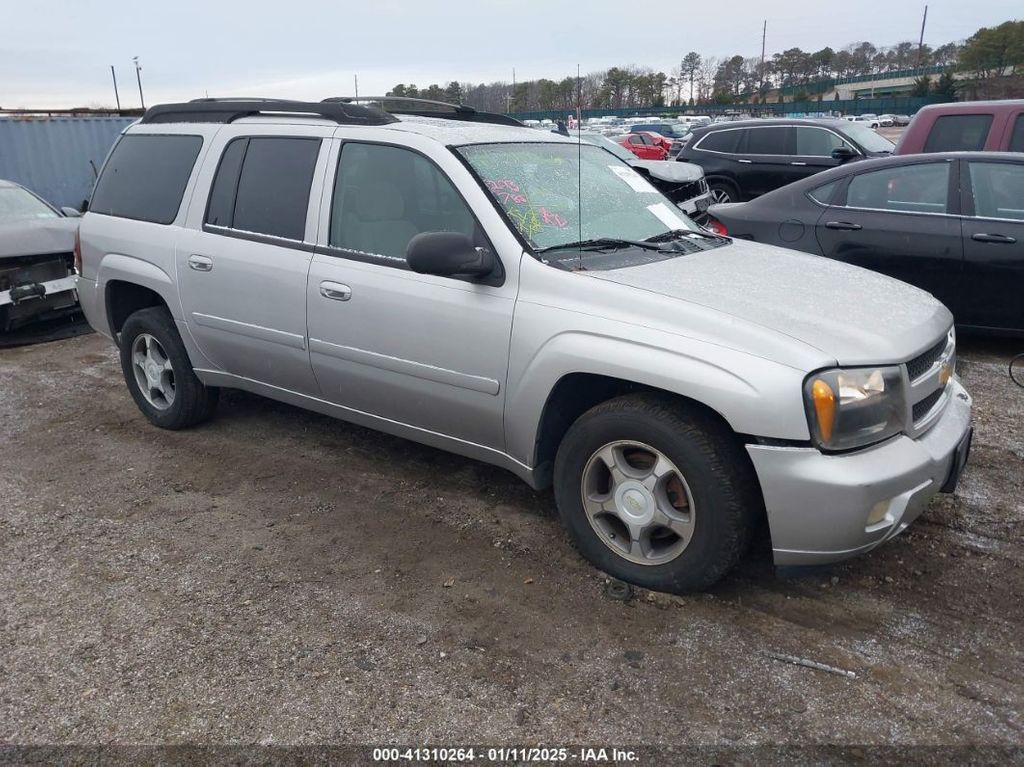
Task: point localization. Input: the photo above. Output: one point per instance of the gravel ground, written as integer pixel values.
(280, 577)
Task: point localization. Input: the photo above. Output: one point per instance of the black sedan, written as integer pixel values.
(952, 224)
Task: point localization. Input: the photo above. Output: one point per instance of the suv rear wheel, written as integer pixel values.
(655, 493)
(723, 191)
(159, 373)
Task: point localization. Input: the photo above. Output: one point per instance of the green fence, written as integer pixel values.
(900, 105)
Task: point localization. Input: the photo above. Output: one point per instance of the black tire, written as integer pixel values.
(723, 189)
(193, 401)
(726, 494)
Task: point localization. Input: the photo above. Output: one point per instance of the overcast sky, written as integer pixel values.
(58, 53)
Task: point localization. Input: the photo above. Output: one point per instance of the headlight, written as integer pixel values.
(857, 407)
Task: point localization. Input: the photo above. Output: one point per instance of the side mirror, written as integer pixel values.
(448, 254)
(843, 154)
(70, 212)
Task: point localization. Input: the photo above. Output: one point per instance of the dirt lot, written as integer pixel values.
(279, 577)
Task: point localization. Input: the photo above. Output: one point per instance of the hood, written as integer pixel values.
(36, 237)
(851, 315)
(671, 171)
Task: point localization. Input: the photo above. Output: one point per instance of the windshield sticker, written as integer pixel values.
(634, 179)
(667, 216)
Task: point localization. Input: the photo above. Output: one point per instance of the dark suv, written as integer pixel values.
(742, 160)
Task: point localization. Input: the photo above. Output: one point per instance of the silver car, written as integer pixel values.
(514, 296)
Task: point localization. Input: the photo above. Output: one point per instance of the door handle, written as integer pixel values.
(797, 162)
(999, 238)
(335, 291)
(200, 263)
(845, 226)
(745, 162)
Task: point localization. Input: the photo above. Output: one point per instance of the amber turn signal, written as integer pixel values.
(824, 407)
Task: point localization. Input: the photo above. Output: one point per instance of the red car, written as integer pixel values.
(646, 145)
(966, 126)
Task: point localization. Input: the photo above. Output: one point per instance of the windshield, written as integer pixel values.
(868, 139)
(17, 205)
(606, 143)
(541, 186)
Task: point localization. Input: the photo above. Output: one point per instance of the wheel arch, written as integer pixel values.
(577, 392)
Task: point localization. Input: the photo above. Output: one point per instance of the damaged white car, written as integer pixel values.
(37, 244)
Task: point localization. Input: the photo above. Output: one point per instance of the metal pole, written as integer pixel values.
(920, 42)
(117, 98)
(357, 85)
(138, 77)
(764, 37)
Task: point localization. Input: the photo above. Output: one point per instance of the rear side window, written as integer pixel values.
(958, 133)
(145, 177)
(720, 141)
(1017, 137)
(767, 140)
(262, 186)
(906, 188)
(998, 190)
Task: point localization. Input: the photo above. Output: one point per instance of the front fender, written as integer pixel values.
(754, 395)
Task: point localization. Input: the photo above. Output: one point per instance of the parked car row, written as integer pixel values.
(950, 222)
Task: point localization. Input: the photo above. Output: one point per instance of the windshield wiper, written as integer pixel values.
(677, 234)
(602, 243)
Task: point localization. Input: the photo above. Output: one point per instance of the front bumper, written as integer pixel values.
(818, 504)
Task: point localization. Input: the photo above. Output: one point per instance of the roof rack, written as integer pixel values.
(228, 110)
(447, 111)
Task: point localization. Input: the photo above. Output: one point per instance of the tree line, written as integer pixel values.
(698, 79)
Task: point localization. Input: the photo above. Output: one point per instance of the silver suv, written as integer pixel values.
(519, 298)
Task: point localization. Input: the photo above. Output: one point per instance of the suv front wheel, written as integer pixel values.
(159, 373)
(656, 493)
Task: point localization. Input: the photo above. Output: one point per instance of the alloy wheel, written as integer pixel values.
(638, 502)
(154, 373)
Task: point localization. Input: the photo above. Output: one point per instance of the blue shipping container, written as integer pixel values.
(55, 156)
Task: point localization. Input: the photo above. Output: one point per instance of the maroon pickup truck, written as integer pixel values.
(968, 126)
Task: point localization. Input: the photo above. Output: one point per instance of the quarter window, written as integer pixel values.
(908, 188)
(145, 177)
(823, 194)
(384, 196)
(720, 141)
(998, 190)
(958, 133)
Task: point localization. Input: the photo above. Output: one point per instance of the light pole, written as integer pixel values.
(117, 98)
(138, 78)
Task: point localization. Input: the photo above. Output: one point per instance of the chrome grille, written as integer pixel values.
(927, 375)
(922, 363)
(924, 407)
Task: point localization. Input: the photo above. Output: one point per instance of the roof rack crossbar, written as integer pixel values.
(462, 112)
(226, 110)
